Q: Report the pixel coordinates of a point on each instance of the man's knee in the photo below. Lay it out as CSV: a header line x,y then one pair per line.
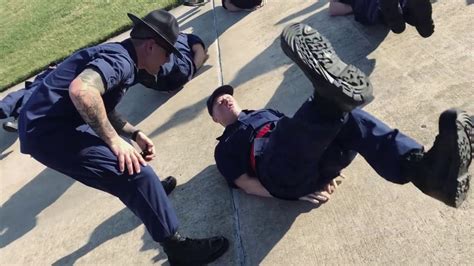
x,y
147,176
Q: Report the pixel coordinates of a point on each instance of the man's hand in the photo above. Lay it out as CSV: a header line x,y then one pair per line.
x,y
146,145
331,186
320,197
127,156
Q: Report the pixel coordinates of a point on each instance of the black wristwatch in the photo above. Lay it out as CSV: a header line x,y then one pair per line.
x,y
135,134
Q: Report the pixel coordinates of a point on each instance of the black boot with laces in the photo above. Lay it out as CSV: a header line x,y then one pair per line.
x,y
442,172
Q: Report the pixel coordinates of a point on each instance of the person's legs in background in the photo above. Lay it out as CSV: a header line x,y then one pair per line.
x,y
199,51
418,13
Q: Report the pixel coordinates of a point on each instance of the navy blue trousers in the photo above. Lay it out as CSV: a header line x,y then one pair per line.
x,y
11,104
82,155
368,11
308,150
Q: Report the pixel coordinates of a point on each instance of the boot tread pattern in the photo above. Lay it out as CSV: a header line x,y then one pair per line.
x,y
464,143
318,56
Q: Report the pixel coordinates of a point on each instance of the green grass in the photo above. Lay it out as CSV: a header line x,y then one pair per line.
x,y
35,33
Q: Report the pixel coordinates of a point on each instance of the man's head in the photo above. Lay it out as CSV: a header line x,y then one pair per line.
x,y
222,106
154,37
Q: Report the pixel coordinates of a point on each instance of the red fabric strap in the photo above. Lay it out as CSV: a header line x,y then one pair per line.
x,y
264,130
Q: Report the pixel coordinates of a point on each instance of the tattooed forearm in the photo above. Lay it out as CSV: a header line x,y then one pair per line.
x,y
85,92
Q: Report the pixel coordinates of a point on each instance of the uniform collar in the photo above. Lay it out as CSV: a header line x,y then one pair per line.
x,y
128,45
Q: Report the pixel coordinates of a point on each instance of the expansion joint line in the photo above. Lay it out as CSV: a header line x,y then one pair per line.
x,y
239,249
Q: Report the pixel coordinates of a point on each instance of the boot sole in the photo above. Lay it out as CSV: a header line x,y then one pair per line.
x,y
459,125
392,15
333,79
421,12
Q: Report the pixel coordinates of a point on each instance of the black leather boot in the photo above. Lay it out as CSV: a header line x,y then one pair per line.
x,y
442,172
392,15
168,184
186,251
418,13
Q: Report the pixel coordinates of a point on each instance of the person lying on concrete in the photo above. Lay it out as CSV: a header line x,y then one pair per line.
x,y
268,154
393,13
70,125
242,5
175,73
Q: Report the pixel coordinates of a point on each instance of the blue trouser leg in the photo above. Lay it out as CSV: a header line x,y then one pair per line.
x,y
381,146
86,158
367,11
10,104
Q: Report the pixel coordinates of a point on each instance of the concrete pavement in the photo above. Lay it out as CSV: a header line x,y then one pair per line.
x,y
47,218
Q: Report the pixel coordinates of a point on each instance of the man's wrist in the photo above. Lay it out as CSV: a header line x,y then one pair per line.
x,y
135,134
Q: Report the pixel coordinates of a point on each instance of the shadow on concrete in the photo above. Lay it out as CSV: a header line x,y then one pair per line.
x,y
204,208
182,116
140,102
352,41
201,70
210,36
186,15
18,214
120,223
264,222
311,8
192,205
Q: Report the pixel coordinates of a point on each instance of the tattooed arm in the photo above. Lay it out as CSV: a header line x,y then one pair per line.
x,y
85,92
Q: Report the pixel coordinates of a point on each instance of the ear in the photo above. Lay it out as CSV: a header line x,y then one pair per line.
x,y
149,45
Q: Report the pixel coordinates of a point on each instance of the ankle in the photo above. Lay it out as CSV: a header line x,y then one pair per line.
x,y
176,237
410,165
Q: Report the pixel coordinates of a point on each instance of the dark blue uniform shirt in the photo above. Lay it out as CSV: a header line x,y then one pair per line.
x,y
232,153
50,108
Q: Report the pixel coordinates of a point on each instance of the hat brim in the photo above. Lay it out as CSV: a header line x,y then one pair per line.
x,y
224,89
136,20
